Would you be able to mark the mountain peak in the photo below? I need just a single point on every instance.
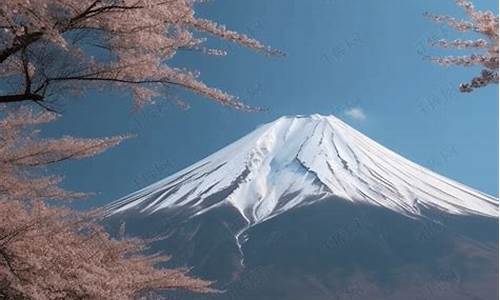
(298, 160)
(309, 118)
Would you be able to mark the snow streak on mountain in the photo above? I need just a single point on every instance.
(296, 161)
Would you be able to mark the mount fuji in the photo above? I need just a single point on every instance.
(306, 207)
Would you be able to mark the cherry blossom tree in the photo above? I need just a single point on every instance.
(484, 23)
(51, 252)
(50, 49)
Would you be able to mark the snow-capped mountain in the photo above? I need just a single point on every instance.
(283, 164)
(306, 207)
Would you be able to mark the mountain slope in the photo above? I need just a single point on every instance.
(283, 163)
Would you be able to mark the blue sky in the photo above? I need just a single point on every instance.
(363, 56)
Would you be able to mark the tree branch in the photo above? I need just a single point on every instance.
(20, 97)
(20, 43)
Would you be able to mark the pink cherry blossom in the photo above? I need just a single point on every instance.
(484, 23)
(49, 252)
(52, 48)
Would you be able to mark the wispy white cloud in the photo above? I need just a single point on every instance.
(356, 113)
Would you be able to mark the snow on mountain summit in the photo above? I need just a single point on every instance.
(296, 161)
